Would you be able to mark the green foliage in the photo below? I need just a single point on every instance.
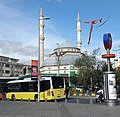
(118, 76)
(105, 67)
(90, 67)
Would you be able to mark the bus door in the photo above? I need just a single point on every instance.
(44, 89)
(58, 87)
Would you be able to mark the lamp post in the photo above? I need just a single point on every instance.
(40, 47)
(59, 55)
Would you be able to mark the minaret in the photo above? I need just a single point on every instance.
(42, 38)
(78, 30)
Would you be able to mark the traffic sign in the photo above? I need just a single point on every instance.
(107, 39)
(39, 75)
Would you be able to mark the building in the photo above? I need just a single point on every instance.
(10, 69)
(117, 63)
(61, 61)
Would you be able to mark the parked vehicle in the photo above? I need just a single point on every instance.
(1, 96)
(79, 88)
(99, 96)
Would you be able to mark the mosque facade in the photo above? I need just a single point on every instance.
(61, 61)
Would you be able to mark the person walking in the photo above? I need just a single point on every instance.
(67, 92)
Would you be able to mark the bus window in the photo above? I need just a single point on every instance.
(44, 85)
(13, 87)
(57, 82)
(24, 86)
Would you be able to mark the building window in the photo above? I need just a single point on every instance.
(7, 65)
(49, 68)
(64, 71)
(7, 71)
(64, 67)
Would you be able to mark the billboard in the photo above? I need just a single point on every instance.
(112, 86)
(34, 65)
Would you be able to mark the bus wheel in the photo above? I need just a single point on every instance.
(13, 97)
(36, 98)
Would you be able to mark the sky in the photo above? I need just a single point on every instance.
(19, 26)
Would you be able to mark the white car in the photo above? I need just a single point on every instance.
(79, 88)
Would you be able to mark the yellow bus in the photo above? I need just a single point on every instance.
(51, 88)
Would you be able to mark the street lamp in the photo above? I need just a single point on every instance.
(59, 54)
(41, 38)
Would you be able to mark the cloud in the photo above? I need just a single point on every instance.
(17, 48)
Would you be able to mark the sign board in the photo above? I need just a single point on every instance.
(39, 75)
(34, 71)
(34, 63)
(112, 86)
(72, 73)
(107, 40)
(34, 67)
(71, 67)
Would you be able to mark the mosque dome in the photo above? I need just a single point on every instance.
(66, 45)
(71, 53)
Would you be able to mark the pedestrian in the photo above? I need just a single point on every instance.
(67, 92)
(87, 90)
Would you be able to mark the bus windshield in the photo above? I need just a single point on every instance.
(57, 82)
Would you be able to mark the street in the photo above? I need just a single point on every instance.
(55, 109)
(75, 106)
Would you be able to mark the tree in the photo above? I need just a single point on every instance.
(90, 67)
(118, 76)
(105, 67)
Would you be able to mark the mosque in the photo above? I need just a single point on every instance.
(61, 61)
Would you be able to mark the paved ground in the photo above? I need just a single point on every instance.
(56, 109)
